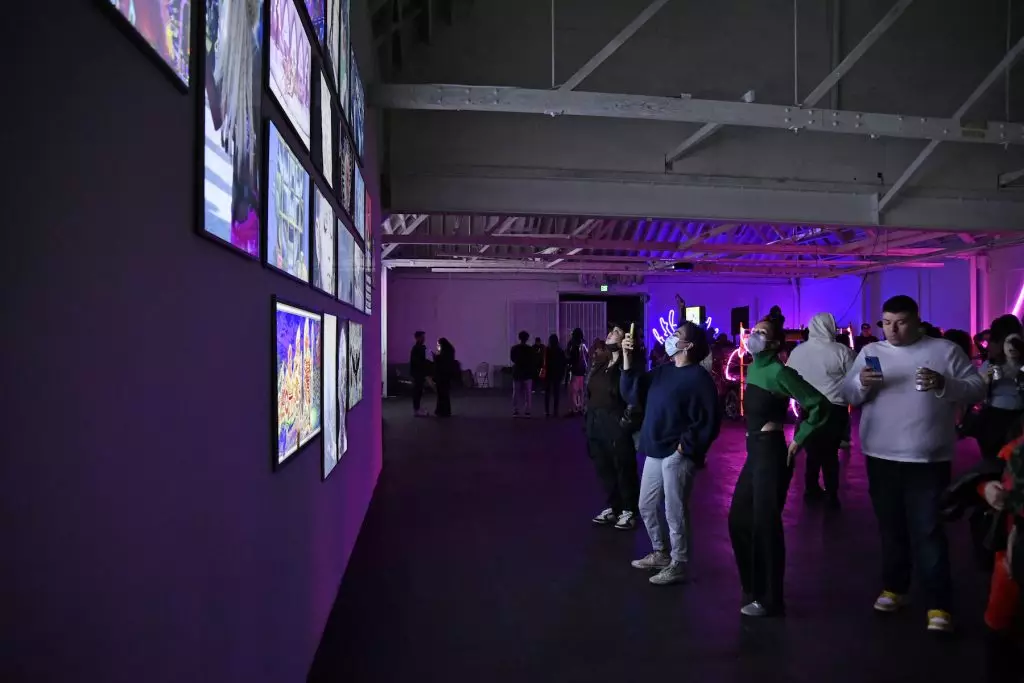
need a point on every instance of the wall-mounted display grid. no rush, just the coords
(298, 373)
(164, 27)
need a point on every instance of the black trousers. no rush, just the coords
(905, 496)
(755, 519)
(822, 451)
(997, 425)
(444, 398)
(552, 389)
(417, 391)
(611, 448)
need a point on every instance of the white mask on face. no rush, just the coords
(671, 346)
(756, 343)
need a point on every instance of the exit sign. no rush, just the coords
(604, 288)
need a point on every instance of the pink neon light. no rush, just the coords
(1020, 302)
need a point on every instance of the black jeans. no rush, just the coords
(552, 389)
(755, 519)
(444, 398)
(905, 496)
(611, 448)
(823, 451)
(417, 391)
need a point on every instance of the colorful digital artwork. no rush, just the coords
(346, 277)
(368, 271)
(324, 274)
(299, 372)
(315, 8)
(358, 108)
(326, 132)
(359, 204)
(342, 390)
(287, 210)
(166, 25)
(347, 161)
(358, 283)
(355, 363)
(231, 117)
(337, 43)
(330, 385)
(290, 64)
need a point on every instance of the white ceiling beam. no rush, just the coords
(505, 226)
(819, 92)
(988, 244)
(613, 45)
(1008, 59)
(887, 241)
(438, 97)
(584, 229)
(1011, 178)
(407, 228)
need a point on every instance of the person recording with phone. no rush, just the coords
(1001, 371)
(755, 516)
(682, 418)
(909, 386)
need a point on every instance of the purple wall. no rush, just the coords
(144, 535)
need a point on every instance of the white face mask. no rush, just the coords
(756, 343)
(671, 346)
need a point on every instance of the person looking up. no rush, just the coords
(824, 362)
(418, 370)
(445, 371)
(682, 418)
(755, 516)
(1001, 372)
(552, 372)
(578, 359)
(908, 396)
(608, 441)
(865, 337)
(523, 370)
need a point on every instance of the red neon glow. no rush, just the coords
(1020, 302)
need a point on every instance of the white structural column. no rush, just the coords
(406, 229)
(822, 88)
(922, 157)
(613, 45)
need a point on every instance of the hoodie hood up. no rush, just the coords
(822, 328)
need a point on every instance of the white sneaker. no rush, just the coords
(656, 560)
(940, 620)
(888, 601)
(606, 516)
(754, 609)
(626, 521)
(675, 572)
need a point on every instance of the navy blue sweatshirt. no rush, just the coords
(681, 410)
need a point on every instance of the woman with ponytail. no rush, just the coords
(755, 517)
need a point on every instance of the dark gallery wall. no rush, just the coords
(144, 536)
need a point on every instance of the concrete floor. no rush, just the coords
(477, 562)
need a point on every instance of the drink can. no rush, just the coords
(919, 381)
(997, 373)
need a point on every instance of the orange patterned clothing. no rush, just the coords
(1004, 592)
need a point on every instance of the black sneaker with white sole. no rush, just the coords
(605, 517)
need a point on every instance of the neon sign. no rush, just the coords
(1020, 302)
(668, 326)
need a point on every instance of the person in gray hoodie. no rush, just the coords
(909, 387)
(823, 363)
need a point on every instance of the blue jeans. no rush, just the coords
(905, 496)
(670, 480)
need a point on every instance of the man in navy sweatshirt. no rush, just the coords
(682, 417)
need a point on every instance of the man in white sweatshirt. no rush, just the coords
(823, 363)
(909, 386)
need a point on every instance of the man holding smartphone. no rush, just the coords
(909, 386)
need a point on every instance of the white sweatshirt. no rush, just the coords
(821, 360)
(898, 422)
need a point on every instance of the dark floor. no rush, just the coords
(478, 562)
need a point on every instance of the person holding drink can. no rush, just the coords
(1004, 404)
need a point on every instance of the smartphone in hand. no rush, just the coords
(873, 364)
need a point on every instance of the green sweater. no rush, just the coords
(768, 373)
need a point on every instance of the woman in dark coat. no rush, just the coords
(445, 369)
(552, 371)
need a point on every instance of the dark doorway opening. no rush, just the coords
(622, 308)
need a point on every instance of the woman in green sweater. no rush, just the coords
(755, 517)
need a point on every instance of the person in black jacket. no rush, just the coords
(418, 370)
(524, 368)
(609, 441)
(551, 373)
(445, 369)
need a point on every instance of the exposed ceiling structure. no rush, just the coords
(576, 245)
(808, 231)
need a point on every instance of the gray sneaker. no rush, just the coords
(754, 609)
(675, 572)
(655, 560)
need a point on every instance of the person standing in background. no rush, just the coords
(909, 395)
(524, 369)
(1004, 405)
(552, 373)
(445, 370)
(578, 361)
(418, 370)
(823, 363)
(865, 337)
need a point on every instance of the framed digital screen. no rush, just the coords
(346, 277)
(290, 65)
(298, 369)
(329, 454)
(342, 371)
(287, 209)
(368, 262)
(324, 250)
(326, 132)
(358, 107)
(359, 204)
(696, 315)
(346, 172)
(232, 88)
(165, 28)
(358, 277)
(337, 44)
(315, 9)
(355, 363)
